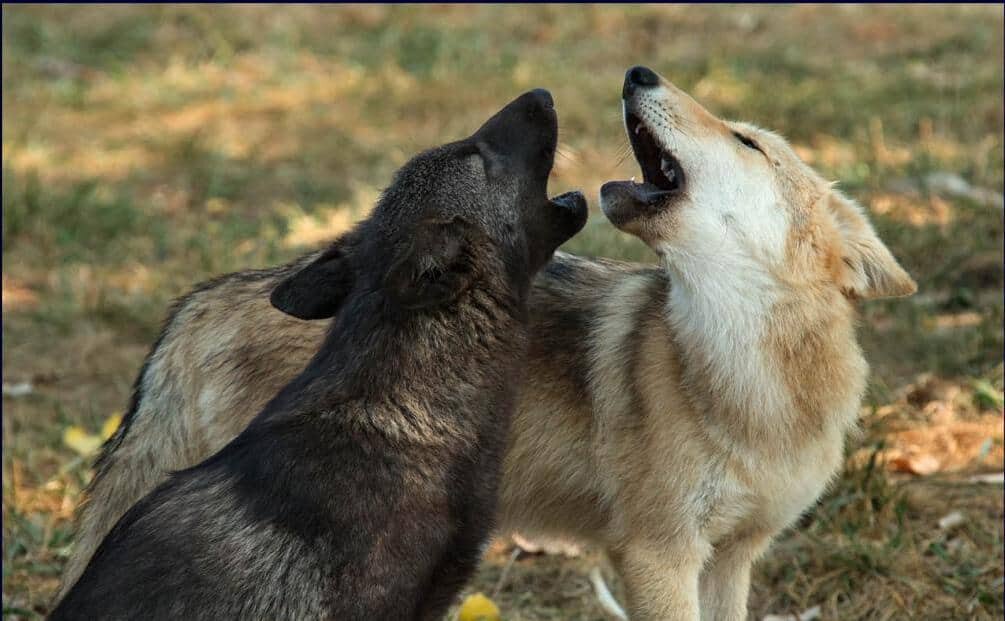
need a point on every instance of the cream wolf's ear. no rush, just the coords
(867, 268)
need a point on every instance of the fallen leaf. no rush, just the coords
(18, 390)
(526, 545)
(993, 478)
(110, 426)
(951, 520)
(807, 615)
(16, 295)
(81, 441)
(477, 607)
(551, 547)
(917, 464)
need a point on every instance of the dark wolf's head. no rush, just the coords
(469, 213)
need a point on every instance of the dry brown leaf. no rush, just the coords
(951, 520)
(918, 464)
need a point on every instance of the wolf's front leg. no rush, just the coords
(661, 581)
(725, 582)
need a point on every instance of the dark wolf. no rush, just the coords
(366, 488)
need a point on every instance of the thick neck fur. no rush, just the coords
(399, 372)
(761, 360)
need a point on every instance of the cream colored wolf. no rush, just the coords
(677, 416)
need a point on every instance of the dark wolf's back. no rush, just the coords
(223, 353)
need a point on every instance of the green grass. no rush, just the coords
(146, 148)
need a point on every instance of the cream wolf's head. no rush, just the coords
(726, 200)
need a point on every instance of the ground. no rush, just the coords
(146, 148)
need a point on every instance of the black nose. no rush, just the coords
(638, 77)
(543, 97)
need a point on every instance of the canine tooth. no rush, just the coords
(638, 128)
(667, 168)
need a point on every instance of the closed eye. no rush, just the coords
(747, 142)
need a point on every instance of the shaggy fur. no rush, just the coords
(365, 489)
(678, 416)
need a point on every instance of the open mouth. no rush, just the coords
(659, 167)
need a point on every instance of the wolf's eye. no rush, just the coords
(747, 142)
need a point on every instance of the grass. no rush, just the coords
(146, 148)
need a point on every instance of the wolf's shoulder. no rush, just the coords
(567, 270)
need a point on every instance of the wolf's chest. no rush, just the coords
(769, 493)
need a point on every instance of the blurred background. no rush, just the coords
(146, 148)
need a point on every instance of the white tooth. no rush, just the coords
(633, 178)
(638, 128)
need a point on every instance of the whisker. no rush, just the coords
(679, 133)
(622, 154)
(690, 126)
(694, 141)
(683, 122)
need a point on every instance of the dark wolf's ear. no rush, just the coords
(319, 288)
(435, 266)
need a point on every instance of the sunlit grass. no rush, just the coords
(146, 148)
